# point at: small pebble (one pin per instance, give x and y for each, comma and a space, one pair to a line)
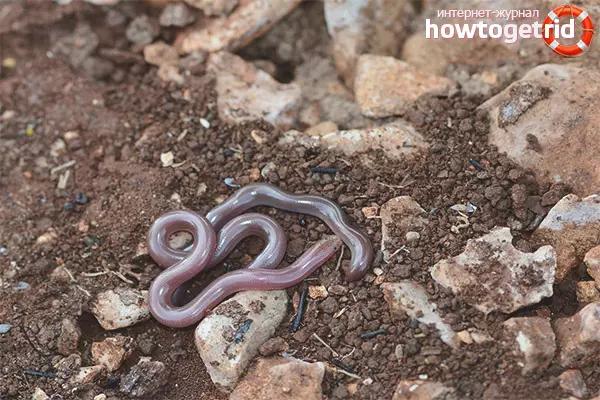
412, 237
204, 123
68, 206
22, 286
4, 328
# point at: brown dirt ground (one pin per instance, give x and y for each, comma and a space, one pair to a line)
127, 189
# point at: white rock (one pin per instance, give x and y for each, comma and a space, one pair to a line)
160, 53
409, 297
214, 7
112, 352
579, 337
399, 216
247, 93
49, 237
39, 394
278, 378
572, 381
492, 275
592, 261
120, 308
398, 140
423, 390
87, 375
534, 341
480, 337
225, 357
571, 227
176, 14
170, 73
363, 26
322, 128
386, 86
247, 22
544, 122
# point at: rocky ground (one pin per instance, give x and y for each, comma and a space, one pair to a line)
471, 166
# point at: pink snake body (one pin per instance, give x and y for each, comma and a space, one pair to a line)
210, 248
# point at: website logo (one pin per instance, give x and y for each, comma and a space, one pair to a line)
551, 26
555, 34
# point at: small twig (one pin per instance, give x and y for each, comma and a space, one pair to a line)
83, 290
335, 353
394, 254
70, 274
63, 179
26, 382
341, 371
182, 135
339, 313
349, 354
93, 274
339, 263
387, 185
122, 277
61, 167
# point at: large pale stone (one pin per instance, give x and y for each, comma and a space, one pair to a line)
214, 7
247, 93
592, 261
411, 298
572, 227
492, 275
120, 308
112, 352
386, 86
547, 121
248, 21
230, 336
572, 381
397, 140
364, 26
280, 378
534, 341
579, 337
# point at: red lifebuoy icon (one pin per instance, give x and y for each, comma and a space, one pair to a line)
586, 23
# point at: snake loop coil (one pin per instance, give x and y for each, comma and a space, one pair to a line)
223, 228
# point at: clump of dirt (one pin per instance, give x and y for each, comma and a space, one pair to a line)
124, 125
